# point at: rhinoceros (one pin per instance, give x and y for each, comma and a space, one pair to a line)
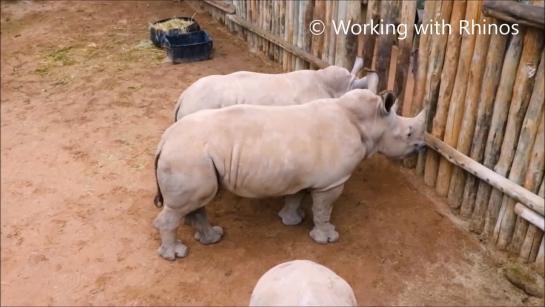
302, 283
269, 151
244, 87
298, 87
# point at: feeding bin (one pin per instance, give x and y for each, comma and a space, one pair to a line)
187, 47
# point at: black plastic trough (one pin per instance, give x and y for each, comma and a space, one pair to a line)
187, 47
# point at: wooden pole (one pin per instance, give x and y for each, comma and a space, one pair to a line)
420, 80
301, 28
533, 236
495, 135
445, 91
525, 150
516, 12
295, 27
530, 216
533, 41
389, 10
540, 258
373, 12
332, 35
347, 44
341, 58
457, 182
435, 66
491, 80
456, 108
318, 40
286, 17
501, 183
408, 12
537, 156
534, 173
424, 50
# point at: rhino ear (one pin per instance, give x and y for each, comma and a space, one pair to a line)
389, 102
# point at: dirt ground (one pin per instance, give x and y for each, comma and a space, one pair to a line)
84, 100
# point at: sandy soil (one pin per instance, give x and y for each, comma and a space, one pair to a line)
84, 102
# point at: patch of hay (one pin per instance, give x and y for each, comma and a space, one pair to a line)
174, 23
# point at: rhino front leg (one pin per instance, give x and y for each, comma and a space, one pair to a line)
167, 223
292, 213
322, 205
204, 232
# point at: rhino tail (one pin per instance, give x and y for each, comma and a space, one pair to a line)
158, 200
178, 106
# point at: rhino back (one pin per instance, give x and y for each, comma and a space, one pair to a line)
218, 91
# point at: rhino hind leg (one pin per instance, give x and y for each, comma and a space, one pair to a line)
292, 213
322, 205
182, 197
204, 232
167, 223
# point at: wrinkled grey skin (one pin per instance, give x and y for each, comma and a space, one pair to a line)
265, 151
302, 283
243, 87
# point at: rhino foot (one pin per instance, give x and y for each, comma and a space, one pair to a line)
170, 252
210, 236
291, 217
324, 234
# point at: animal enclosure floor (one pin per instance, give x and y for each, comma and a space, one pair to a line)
84, 101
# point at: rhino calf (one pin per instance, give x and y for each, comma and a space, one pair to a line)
297, 87
263, 151
302, 283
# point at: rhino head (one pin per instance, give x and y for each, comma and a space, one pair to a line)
401, 136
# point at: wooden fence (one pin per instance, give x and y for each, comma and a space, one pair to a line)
484, 94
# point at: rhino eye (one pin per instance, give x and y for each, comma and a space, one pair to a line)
409, 134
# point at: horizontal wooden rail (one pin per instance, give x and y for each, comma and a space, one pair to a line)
516, 12
501, 183
279, 42
530, 216
221, 5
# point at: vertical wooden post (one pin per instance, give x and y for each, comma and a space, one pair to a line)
307, 38
300, 31
389, 10
408, 12
287, 36
420, 79
491, 80
318, 40
523, 150
340, 50
424, 50
346, 47
533, 41
456, 108
523, 232
295, 25
435, 66
457, 182
445, 91
373, 7
495, 135
332, 35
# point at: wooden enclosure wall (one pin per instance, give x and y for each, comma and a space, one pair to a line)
484, 95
